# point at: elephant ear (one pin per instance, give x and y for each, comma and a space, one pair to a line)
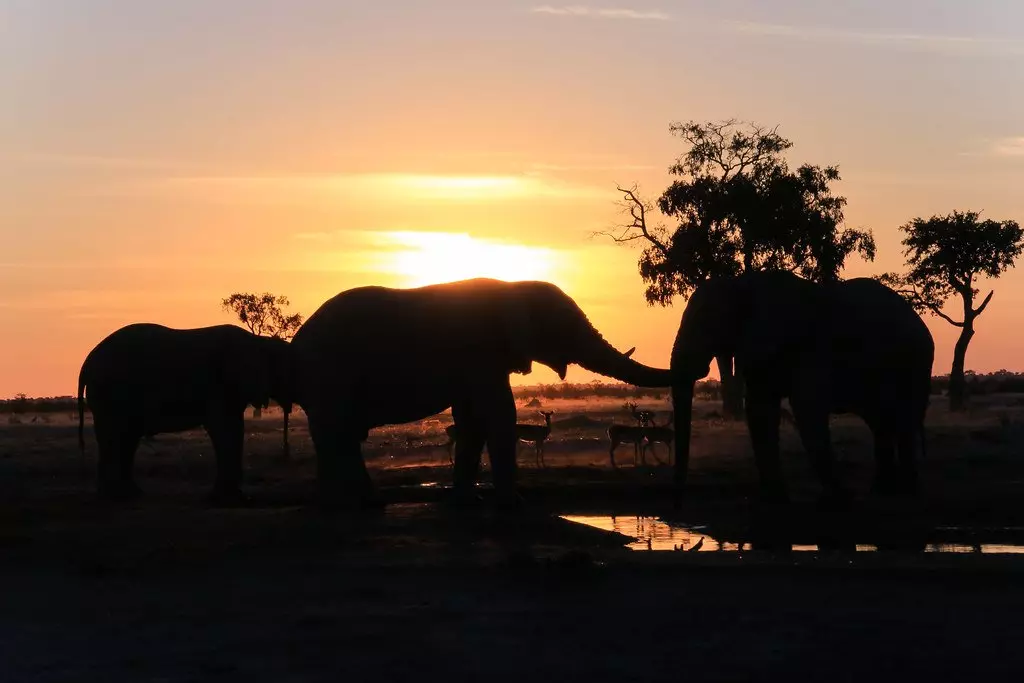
245, 373
517, 332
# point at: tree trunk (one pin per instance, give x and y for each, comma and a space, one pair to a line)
957, 382
732, 389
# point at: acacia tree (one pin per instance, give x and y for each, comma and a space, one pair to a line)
945, 254
738, 207
263, 315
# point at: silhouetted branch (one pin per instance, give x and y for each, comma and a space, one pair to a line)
984, 303
935, 309
638, 212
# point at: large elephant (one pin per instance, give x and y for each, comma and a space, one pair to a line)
853, 346
144, 379
373, 356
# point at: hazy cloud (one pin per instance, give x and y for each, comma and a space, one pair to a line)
920, 41
1009, 147
558, 168
107, 162
406, 187
603, 12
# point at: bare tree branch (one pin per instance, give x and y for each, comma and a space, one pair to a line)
935, 309
984, 303
638, 212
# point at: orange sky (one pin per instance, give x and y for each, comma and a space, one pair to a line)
157, 157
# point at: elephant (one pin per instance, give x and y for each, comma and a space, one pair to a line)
145, 379
375, 355
851, 346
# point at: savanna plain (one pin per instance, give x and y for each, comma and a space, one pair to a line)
170, 588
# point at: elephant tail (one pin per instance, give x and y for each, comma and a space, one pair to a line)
81, 410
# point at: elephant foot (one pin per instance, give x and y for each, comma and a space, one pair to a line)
467, 501
228, 498
835, 500
509, 502
331, 503
773, 495
887, 485
120, 492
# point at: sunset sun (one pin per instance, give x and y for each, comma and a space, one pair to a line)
422, 258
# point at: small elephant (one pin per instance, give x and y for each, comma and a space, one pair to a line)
373, 356
145, 379
852, 346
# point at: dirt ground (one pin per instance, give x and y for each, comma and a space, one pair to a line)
169, 589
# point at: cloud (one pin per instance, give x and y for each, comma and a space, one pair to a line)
920, 41
602, 12
1009, 147
405, 187
107, 161
558, 168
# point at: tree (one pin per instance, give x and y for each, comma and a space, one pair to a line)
945, 254
263, 314
737, 208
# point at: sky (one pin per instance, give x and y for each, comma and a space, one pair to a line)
157, 156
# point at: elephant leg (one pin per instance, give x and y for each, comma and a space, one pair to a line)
500, 421
117, 446
906, 474
811, 420
227, 433
342, 477
885, 462
468, 453
763, 414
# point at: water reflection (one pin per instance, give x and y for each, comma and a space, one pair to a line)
652, 533
986, 548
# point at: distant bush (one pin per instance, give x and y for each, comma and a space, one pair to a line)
21, 404
999, 382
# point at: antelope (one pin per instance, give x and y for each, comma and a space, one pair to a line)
620, 434
536, 434
656, 434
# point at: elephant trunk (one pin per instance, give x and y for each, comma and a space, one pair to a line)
597, 355
682, 413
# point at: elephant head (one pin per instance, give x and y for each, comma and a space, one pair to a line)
754, 318
543, 324
262, 371
258, 368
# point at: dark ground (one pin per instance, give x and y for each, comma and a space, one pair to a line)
170, 590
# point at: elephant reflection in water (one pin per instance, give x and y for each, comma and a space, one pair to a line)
853, 346
373, 356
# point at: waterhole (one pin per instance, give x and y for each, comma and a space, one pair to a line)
652, 533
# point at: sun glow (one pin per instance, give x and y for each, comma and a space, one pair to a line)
422, 258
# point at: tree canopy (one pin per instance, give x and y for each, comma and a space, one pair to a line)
263, 314
738, 207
